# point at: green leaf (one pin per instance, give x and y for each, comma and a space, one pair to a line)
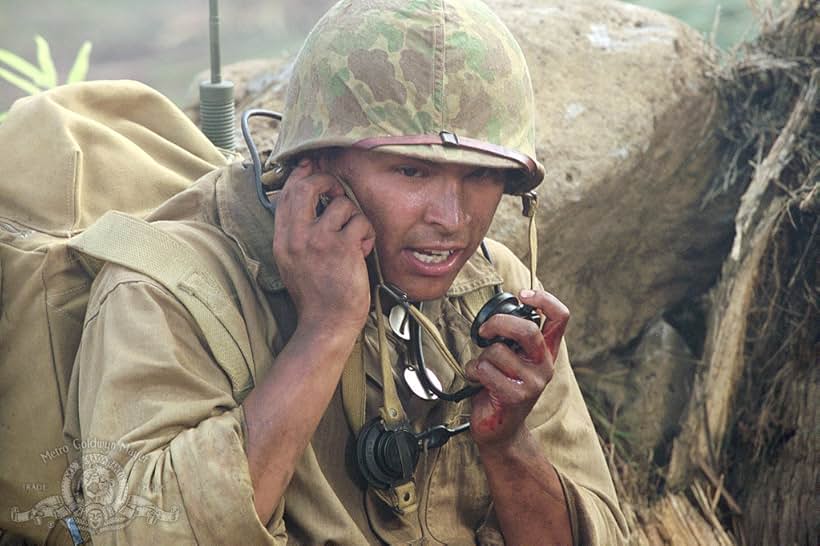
79, 71
16, 80
49, 73
20, 65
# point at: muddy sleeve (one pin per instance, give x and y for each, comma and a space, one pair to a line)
561, 423
163, 440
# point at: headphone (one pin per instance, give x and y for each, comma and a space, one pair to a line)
387, 456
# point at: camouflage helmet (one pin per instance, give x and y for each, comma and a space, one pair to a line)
437, 80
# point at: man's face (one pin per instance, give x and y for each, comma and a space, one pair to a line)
429, 217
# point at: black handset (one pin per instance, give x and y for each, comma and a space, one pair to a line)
324, 201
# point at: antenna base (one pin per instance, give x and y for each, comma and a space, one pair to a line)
217, 113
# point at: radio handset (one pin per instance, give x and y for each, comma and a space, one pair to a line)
321, 205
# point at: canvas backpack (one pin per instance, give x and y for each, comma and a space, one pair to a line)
68, 157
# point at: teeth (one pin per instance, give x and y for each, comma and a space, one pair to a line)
432, 256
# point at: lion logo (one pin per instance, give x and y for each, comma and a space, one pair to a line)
93, 498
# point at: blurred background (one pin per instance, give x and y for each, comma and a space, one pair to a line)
165, 43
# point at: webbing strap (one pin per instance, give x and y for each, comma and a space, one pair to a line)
138, 245
402, 498
354, 395
392, 412
435, 335
533, 252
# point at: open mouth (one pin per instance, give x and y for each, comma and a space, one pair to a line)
432, 256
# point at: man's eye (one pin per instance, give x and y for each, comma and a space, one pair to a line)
410, 172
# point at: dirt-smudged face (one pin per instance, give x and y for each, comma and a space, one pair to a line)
429, 217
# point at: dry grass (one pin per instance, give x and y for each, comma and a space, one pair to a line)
768, 455
759, 83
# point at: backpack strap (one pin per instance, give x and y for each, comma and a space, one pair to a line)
138, 245
354, 387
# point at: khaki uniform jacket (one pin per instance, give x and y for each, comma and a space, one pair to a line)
146, 389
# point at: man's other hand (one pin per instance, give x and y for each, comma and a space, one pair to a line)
513, 380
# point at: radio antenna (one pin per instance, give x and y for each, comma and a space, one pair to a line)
216, 103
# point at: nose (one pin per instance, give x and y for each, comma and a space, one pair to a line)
445, 204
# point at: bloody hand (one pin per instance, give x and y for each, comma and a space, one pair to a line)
513, 380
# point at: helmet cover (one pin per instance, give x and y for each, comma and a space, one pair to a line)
439, 80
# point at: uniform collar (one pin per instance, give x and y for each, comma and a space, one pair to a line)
250, 225
477, 273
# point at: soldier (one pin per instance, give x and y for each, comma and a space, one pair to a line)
407, 120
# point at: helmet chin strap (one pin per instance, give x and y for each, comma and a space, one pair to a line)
529, 202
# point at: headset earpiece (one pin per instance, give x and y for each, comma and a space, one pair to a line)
386, 458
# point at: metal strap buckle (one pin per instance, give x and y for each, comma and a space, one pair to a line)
448, 139
529, 202
396, 293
